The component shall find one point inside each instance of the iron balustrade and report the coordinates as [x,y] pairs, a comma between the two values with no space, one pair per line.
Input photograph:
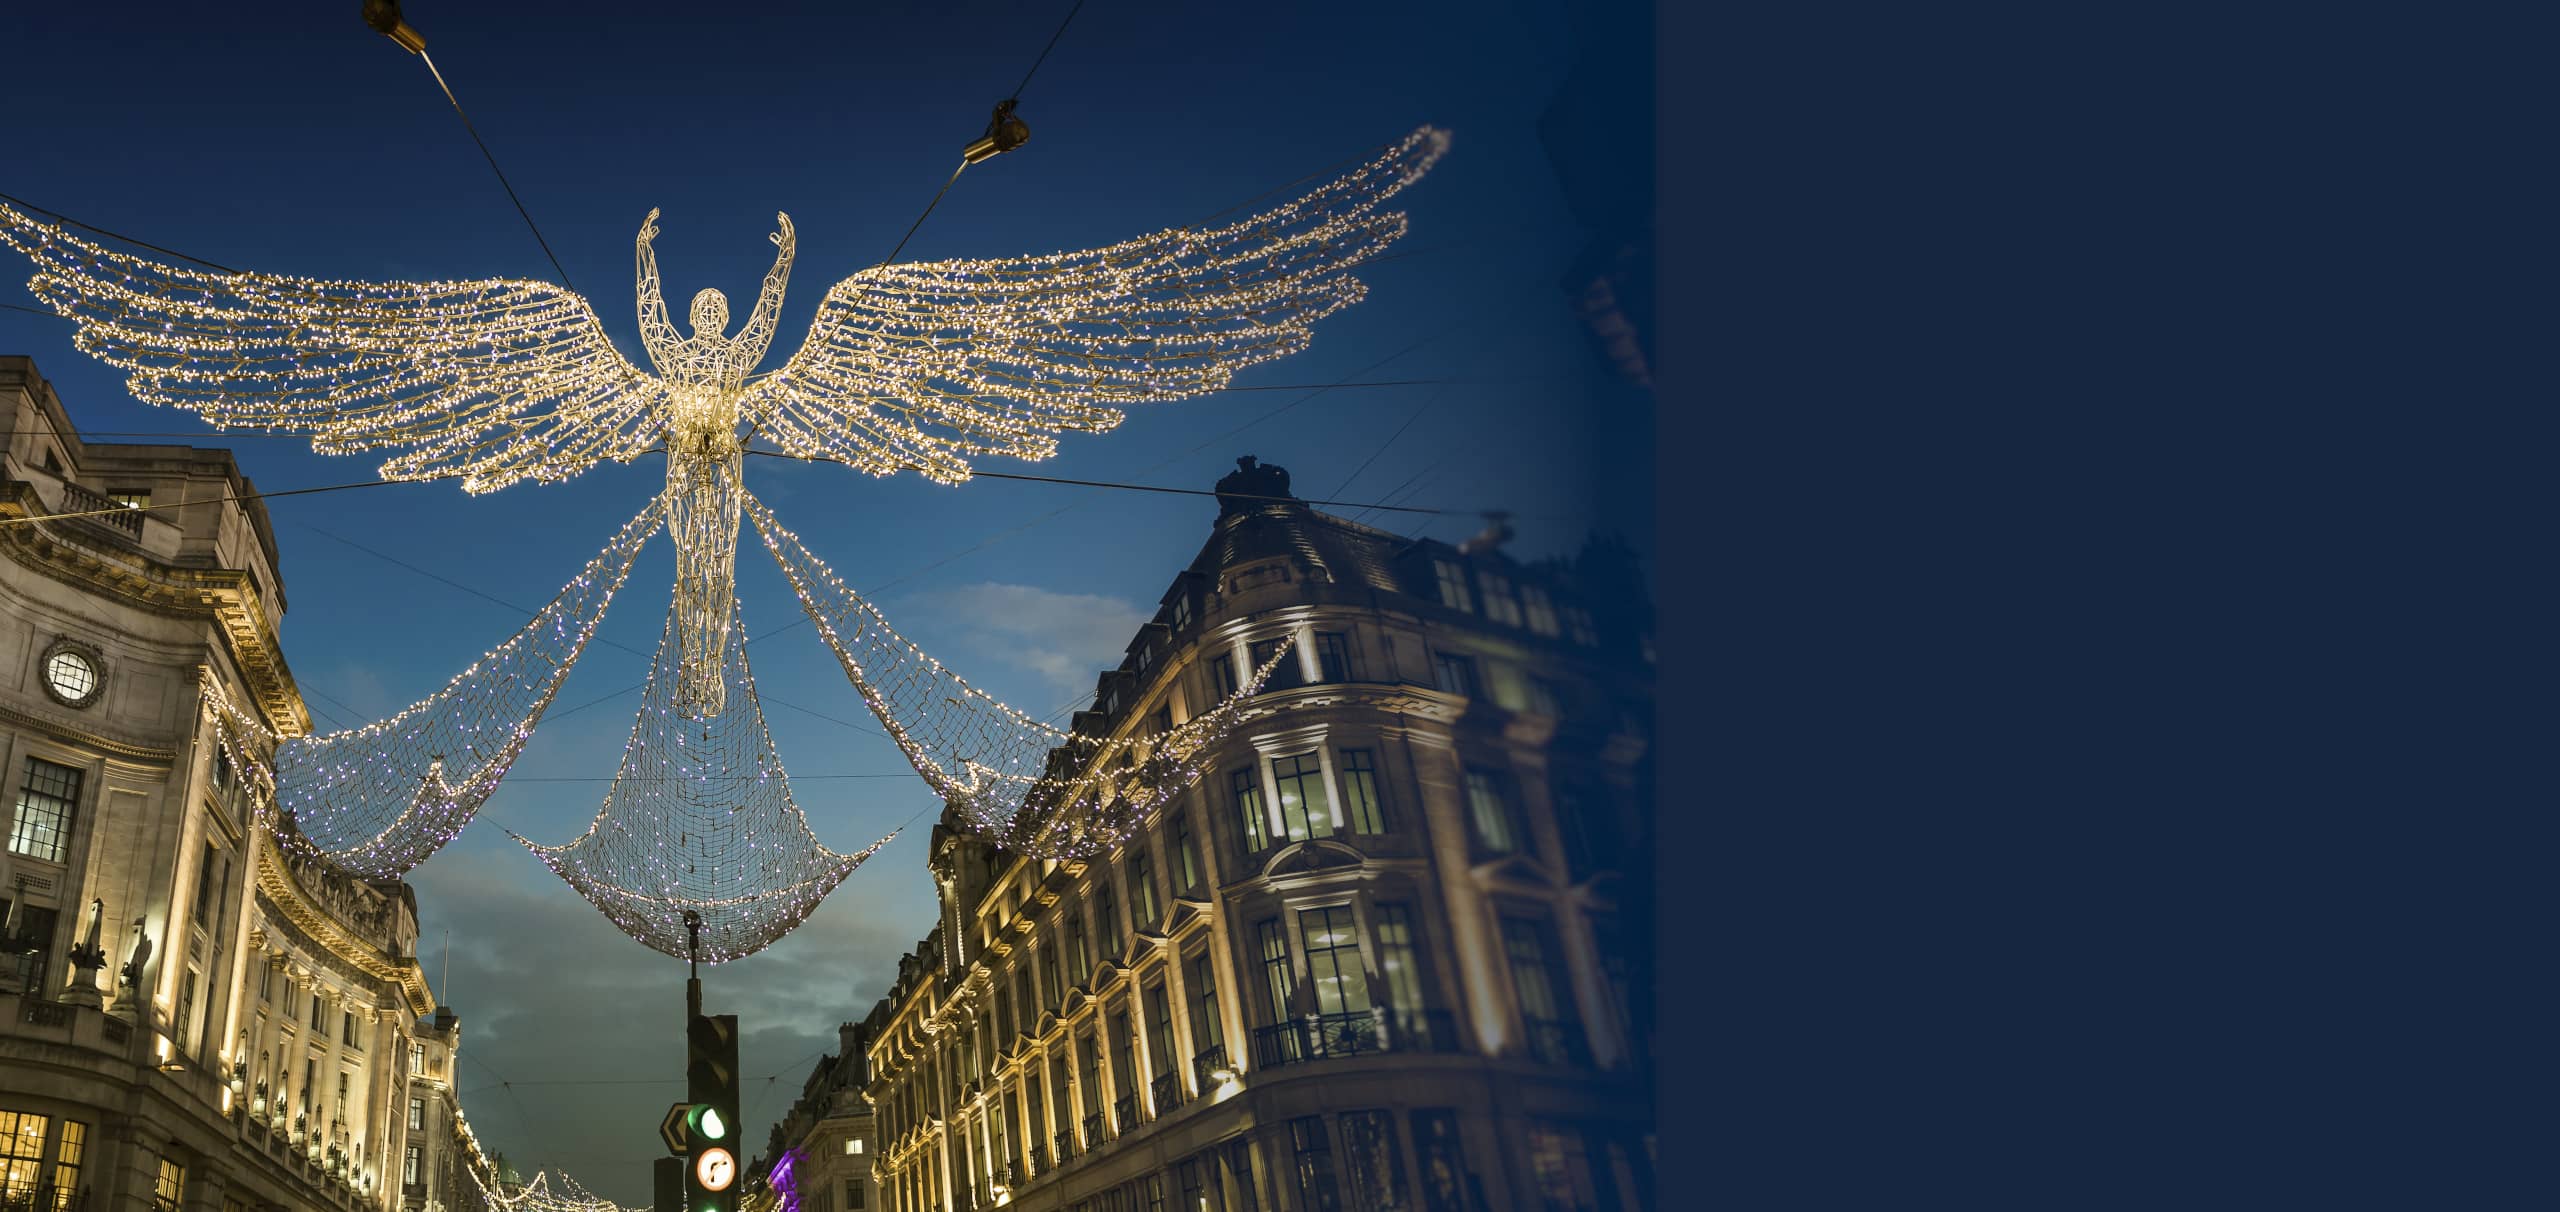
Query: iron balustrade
[1353,1033]
[1093,1130]
[1168,1092]
[1207,1063]
[1066,1145]
[37,1013]
[1124,1111]
[1557,1042]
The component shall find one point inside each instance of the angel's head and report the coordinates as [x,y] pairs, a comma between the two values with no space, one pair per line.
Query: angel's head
[710,313]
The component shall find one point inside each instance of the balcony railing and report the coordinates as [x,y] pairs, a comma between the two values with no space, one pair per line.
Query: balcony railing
[43,1014]
[1093,1130]
[1205,1066]
[1168,1092]
[1124,1112]
[1556,1042]
[1066,1146]
[124,520]
[1357,1033]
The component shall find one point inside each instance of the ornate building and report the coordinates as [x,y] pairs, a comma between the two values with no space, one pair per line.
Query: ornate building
[189,1019]
[828,1138]
[1392,952]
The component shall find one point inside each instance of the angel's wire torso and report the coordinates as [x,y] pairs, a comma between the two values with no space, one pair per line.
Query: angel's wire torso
[705,375]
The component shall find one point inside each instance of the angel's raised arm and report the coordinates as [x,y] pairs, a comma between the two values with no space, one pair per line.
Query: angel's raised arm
[758,333]
[655,331]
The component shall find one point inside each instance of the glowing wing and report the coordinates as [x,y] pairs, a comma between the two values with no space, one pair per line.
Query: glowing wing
[496,381]
[917,366]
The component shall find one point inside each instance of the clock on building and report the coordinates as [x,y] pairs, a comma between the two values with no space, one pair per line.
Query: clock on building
[71,673]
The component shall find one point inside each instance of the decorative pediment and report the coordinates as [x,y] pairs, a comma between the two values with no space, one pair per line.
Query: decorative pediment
[1313,856]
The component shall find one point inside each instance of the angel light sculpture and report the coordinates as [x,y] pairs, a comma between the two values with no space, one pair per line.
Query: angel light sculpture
[912,367]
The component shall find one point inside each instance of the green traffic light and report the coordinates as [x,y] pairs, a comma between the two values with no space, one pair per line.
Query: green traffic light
[712,1128]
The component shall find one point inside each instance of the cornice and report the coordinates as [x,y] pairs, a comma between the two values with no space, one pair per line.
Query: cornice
[327,934]
[64,730]
[224,596]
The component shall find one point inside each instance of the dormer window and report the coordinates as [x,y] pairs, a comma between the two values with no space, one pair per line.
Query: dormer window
[1453,585]
[1540,609]
[1499,605]
[1181,611]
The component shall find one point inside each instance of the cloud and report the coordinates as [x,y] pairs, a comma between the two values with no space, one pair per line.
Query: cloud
[573,1035]
[1066,638]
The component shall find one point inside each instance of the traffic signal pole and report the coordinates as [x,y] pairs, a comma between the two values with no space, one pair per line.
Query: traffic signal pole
[711,1164]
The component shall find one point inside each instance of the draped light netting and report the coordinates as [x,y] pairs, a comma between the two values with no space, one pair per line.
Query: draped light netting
[377,800]
[700,819]
[1030,787]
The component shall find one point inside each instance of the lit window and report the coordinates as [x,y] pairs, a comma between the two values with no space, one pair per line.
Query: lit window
[45,804]
[169,1186]
[410,1167]
[1541,609]
[131,498]
[72,676]
[1499,605]
[1305,809]
[417,1115]
[1453,585]
[1360,791]
[852,1146]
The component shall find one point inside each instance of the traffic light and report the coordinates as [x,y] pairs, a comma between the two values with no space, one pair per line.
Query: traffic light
[711,1124]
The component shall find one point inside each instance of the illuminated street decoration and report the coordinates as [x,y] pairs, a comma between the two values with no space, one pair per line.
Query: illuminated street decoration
[917,367]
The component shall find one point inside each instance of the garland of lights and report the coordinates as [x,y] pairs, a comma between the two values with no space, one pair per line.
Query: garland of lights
[537,1196]
[906,367]
[379,799]
[700,821]
[1030,787]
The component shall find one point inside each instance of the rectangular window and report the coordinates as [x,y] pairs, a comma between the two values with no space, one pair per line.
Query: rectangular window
[1206,1032]
[1022,996]
[1590,838]
[1546,997]
[853,1192]
[66,1162]
[1246,784]
[1222,676]
[1332,942]
[1492,814]
[1090,1064]
[46,802]
[206,879]
[1499,605]
[1441,1160]
[169,1186]
[1397,964]
[319,1018]
[1061,1094]
[1370,1159]
[1454,674]
[1540,609]
[1285,675]
[1577,623]
[417,1115]
[1033,1109]
[410,1167]
[1053,974]
[1162,721]
[1318,1190]
[21,1154]
[1160,1034]
[853,1144]
[1142,884]
[130,498]
[1305,809]
[1186,852]
[1359,771]
[1079,953]
[1181,611]
[266,983]
[417,1057]
[1188,1187]
[1277,981]
[1333,657]
[1124,1064]
[1151,1190]
[1610,944]
[1453,585]
[1004,1011]
[347,1031]
[293,1004]
[1106,908]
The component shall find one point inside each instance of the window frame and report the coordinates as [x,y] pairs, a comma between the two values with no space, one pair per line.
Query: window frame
[59,799]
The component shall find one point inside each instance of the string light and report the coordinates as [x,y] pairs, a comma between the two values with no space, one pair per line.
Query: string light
[700,820]
[907,367]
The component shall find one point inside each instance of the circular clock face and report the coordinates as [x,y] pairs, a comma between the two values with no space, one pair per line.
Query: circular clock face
[715,1169]
[71,676]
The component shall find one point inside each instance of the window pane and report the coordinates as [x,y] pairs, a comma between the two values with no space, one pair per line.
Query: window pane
[1453,585]
[1276,978]
[1333,656]
[45,804]
[1206,1031]
[1333,960]
[1454,674]
[1369,1153]
[1396,962]
[1246,786]
[1318,1190]
[1489,812]
[1360,791]
[1305,810]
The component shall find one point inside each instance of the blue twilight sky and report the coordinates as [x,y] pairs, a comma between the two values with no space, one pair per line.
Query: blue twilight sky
[290,138]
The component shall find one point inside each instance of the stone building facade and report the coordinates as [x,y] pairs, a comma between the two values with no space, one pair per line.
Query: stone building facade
[829,1136]
[1392,952]
[189,1019]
